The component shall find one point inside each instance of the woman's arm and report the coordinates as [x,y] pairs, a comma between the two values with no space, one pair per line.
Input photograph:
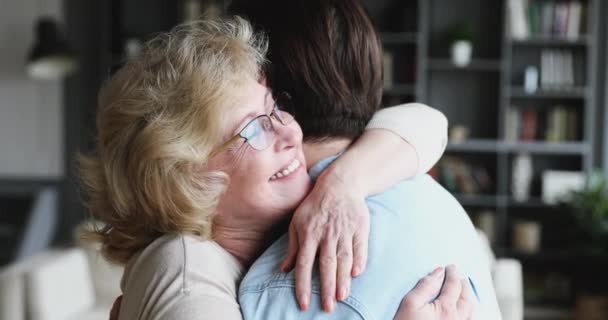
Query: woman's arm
[400,142]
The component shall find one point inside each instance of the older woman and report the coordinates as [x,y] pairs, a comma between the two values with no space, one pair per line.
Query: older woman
[197,167]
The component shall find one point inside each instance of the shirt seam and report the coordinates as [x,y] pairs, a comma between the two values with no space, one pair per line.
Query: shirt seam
[352,302]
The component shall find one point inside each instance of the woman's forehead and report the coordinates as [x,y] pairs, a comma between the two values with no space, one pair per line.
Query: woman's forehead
[254,101]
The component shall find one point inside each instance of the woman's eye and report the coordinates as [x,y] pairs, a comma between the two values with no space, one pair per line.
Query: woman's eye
[267,126]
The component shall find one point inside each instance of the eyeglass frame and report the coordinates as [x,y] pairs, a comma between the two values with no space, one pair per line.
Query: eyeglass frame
[273,114]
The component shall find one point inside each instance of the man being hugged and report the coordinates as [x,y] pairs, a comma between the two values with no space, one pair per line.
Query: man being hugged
[327,56]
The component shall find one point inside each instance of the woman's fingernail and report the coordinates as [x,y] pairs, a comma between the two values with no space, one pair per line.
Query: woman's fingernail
[329,304]
[342,294]
[356,271]
[304,302]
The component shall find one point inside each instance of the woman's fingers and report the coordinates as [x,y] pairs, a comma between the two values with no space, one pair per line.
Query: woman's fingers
[360,244]
[466,301]
[303,272]
[345,266]
[328,265]
[292,251]
[426,290]
[451,288]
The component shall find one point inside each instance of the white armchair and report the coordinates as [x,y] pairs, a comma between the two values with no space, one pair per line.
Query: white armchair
[59,285]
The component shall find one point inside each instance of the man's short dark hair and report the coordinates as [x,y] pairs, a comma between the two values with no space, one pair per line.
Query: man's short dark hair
[327,55]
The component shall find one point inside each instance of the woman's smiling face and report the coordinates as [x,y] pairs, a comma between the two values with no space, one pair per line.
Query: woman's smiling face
[267,184]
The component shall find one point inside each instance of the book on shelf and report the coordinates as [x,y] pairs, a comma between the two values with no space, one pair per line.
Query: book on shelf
[559,70]
[573,31]
[546,19]
[562,124]
[513,124]
[529,125]
[557,124]
[458,176]
[518,20]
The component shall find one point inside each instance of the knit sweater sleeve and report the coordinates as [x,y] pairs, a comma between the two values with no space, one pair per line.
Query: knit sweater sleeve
[425,128]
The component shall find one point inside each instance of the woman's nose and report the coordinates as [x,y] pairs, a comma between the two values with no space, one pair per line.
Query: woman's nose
[288,136]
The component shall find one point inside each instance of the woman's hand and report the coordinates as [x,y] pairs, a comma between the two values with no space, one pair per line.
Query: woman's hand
[455,301]
[334,220]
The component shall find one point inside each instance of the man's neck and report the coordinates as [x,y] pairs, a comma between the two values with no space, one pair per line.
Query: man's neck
[317,151]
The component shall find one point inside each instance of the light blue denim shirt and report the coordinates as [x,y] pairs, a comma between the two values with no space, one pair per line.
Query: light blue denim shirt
[415,226]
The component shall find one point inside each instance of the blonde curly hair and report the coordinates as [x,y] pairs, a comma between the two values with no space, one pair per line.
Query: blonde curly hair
[158,119]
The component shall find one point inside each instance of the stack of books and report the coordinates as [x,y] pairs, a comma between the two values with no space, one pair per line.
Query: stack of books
[557,124]
[461,177]
[558,70]
[546,19]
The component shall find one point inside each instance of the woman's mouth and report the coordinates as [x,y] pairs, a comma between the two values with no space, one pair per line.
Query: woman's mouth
[285,172]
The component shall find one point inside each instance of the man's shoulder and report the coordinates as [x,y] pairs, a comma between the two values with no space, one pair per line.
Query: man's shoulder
[420,191]
[266,268]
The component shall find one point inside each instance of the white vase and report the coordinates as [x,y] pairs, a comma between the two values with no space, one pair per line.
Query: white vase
[462,52]
[522,177]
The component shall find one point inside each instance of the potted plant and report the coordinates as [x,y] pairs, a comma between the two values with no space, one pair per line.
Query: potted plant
[590,209]
[461,45]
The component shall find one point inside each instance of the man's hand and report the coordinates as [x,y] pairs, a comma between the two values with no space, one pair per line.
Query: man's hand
[456,301]
[333,220]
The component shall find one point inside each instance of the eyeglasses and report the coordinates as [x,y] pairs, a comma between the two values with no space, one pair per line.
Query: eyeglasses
[259,133]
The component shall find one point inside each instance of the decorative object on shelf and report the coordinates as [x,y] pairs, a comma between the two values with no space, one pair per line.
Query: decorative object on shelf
[132,48]
[459,134]
[590,307]
[50,57]
[531,79]
[522,177]
[527,236]
[557,185]
[387,65]
[590,208]
[194,9]
[462,46]
[509,288]
[486,222]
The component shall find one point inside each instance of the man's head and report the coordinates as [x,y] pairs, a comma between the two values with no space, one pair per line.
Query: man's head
[327,55]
